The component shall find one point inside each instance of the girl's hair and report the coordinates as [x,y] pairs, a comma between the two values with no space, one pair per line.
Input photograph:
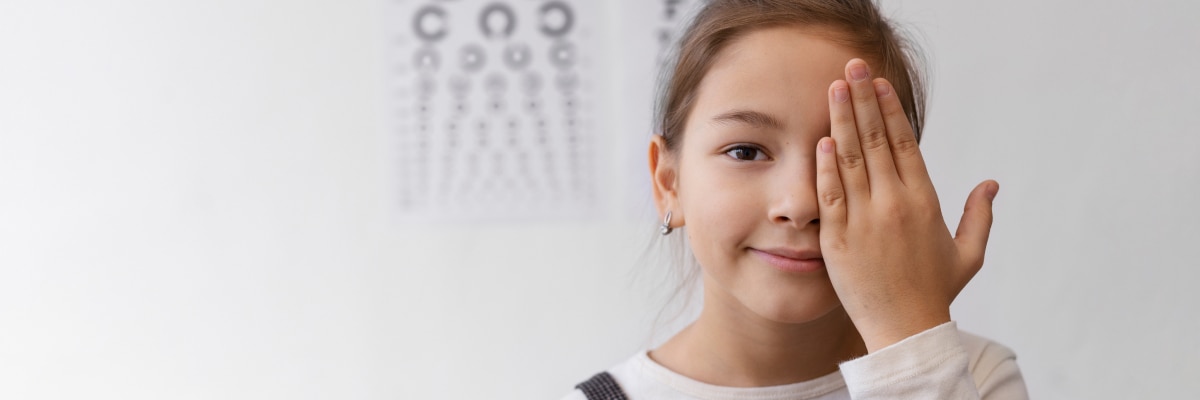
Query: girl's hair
[856,24]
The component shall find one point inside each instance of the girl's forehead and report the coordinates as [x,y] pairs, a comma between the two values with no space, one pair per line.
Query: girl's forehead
[780,57]
[782,71]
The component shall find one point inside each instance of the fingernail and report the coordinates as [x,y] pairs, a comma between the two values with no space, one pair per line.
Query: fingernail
[858,71]
[881,89]
[840,93]
[991,192]
[826,145]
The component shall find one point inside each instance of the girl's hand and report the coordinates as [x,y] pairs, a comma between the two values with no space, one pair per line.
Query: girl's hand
[886,247]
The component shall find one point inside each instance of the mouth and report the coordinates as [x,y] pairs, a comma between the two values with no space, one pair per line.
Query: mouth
[791,261]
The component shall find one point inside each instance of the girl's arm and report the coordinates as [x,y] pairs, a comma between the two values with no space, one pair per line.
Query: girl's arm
[939,363]
[891,259]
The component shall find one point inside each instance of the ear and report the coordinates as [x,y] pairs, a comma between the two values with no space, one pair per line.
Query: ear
[664,173]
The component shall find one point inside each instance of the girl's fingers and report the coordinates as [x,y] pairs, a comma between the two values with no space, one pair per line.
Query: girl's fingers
[831,198]
[872,132]
[976,225]
[910,166]
[852,168]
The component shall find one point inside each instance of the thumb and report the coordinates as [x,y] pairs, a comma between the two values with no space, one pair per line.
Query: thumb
[976,223]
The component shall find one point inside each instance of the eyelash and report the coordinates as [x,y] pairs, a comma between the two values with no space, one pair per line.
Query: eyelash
[746,147]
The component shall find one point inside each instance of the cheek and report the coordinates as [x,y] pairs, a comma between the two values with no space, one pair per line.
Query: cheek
[722,209]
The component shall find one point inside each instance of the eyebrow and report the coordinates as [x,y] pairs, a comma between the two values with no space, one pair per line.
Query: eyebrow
[748,117]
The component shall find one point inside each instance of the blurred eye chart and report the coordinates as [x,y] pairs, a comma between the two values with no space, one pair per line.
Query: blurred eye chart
[490,102]
[493,105]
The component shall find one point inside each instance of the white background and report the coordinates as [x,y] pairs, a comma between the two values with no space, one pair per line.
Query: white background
[194,203]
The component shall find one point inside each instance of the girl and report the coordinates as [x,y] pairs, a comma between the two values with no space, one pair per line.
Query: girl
[788,151]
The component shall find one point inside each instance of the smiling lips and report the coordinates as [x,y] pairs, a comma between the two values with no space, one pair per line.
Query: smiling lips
[789,260]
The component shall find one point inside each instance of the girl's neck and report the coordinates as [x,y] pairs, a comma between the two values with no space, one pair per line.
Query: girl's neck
[729,346]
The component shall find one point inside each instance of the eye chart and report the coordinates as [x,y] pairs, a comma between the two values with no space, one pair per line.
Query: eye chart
[489,103]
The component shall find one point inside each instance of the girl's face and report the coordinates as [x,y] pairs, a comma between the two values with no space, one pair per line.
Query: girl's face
[746,171]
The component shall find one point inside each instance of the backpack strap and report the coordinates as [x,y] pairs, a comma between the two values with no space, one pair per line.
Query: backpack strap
[602,386]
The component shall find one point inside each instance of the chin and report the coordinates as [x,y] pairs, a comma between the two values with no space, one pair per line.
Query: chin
[796,309]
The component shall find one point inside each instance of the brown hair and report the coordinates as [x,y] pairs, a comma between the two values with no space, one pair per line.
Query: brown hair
[856,24]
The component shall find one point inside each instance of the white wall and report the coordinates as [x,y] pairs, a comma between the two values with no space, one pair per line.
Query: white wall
[194,204]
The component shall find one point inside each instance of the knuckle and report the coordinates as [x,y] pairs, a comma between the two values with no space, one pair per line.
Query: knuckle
[895,211]
[850,159]
[896,216]
[922,212]
[874,137]
[905,144]
[926,200]
[929,215]
[905,212]
[833,196]
[929,201]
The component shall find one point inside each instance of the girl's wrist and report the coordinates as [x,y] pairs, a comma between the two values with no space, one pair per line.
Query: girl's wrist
[877,336]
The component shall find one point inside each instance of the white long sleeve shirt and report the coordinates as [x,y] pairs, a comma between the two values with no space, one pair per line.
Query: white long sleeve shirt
[939,363]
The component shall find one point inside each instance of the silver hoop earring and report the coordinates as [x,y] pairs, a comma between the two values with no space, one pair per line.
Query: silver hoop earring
[666,225]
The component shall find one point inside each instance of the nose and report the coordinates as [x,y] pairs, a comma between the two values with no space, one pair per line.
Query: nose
[793,197]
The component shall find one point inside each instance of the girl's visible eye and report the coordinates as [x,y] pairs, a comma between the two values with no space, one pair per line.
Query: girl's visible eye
[746,153]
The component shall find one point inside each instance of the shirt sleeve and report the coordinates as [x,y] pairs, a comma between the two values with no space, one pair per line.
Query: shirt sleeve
[931,365]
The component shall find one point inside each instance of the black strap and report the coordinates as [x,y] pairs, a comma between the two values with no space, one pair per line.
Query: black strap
[602,386]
